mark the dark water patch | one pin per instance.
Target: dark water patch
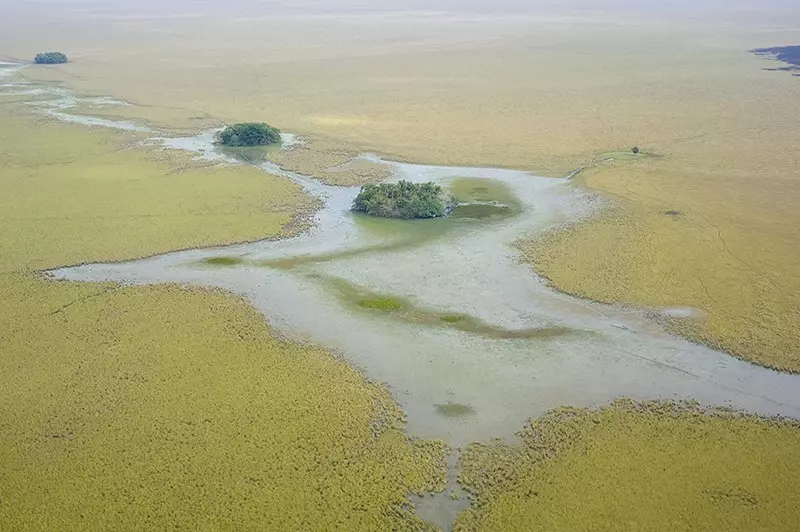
(453, 410)
(223, 261)
(785, 54)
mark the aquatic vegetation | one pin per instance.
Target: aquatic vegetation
(50, 58)
(481, 211)
(649, 466)
(451, 409)
(223, 261)
(482, 190)
(166, 406)
(408, 311)
(249, 134)
(403, 200)
(381, 303)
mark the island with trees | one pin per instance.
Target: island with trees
(249, 134)
(404, 200)
(50, 58)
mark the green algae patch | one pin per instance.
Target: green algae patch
(480, 189)
(637, 466)
(482, 199)
(482, 211)
(453, 318)
(380, 303)
(406, 310)
(223, 261)
(454, 410)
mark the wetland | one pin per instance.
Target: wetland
(296, 353)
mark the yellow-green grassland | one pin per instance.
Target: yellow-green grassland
(172, 407)
(163, 406)
(632, 466)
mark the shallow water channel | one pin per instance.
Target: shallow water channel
(470, 341)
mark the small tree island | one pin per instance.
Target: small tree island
(249, 134)
(50, 58)
(404, 200)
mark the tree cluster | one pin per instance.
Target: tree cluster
(403, 200)
(50, 58)
(249, 134)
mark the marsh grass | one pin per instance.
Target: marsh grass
(647, 465)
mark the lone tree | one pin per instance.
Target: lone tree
(249, 134)
(403, 200)
(50, 58)
(635, 150)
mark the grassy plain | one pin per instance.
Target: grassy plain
(549, 89)
(162, 406)
(629, 466)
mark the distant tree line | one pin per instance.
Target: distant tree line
(403, 200)
(250, 134)
(50, 58)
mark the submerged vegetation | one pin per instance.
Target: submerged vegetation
(633, 466)
(50, 58)
(403, 200)
(249, 134)
(223, 261)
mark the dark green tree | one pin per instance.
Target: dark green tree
(50, 58)
(249, 134)
(635, 150)
(403, 200)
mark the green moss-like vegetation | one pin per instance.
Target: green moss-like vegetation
(403, 200)
(452, 410)
(381, 303)
(453, 318)
(50, 58)
(249, 134)
(634, 466)
(222, 261)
